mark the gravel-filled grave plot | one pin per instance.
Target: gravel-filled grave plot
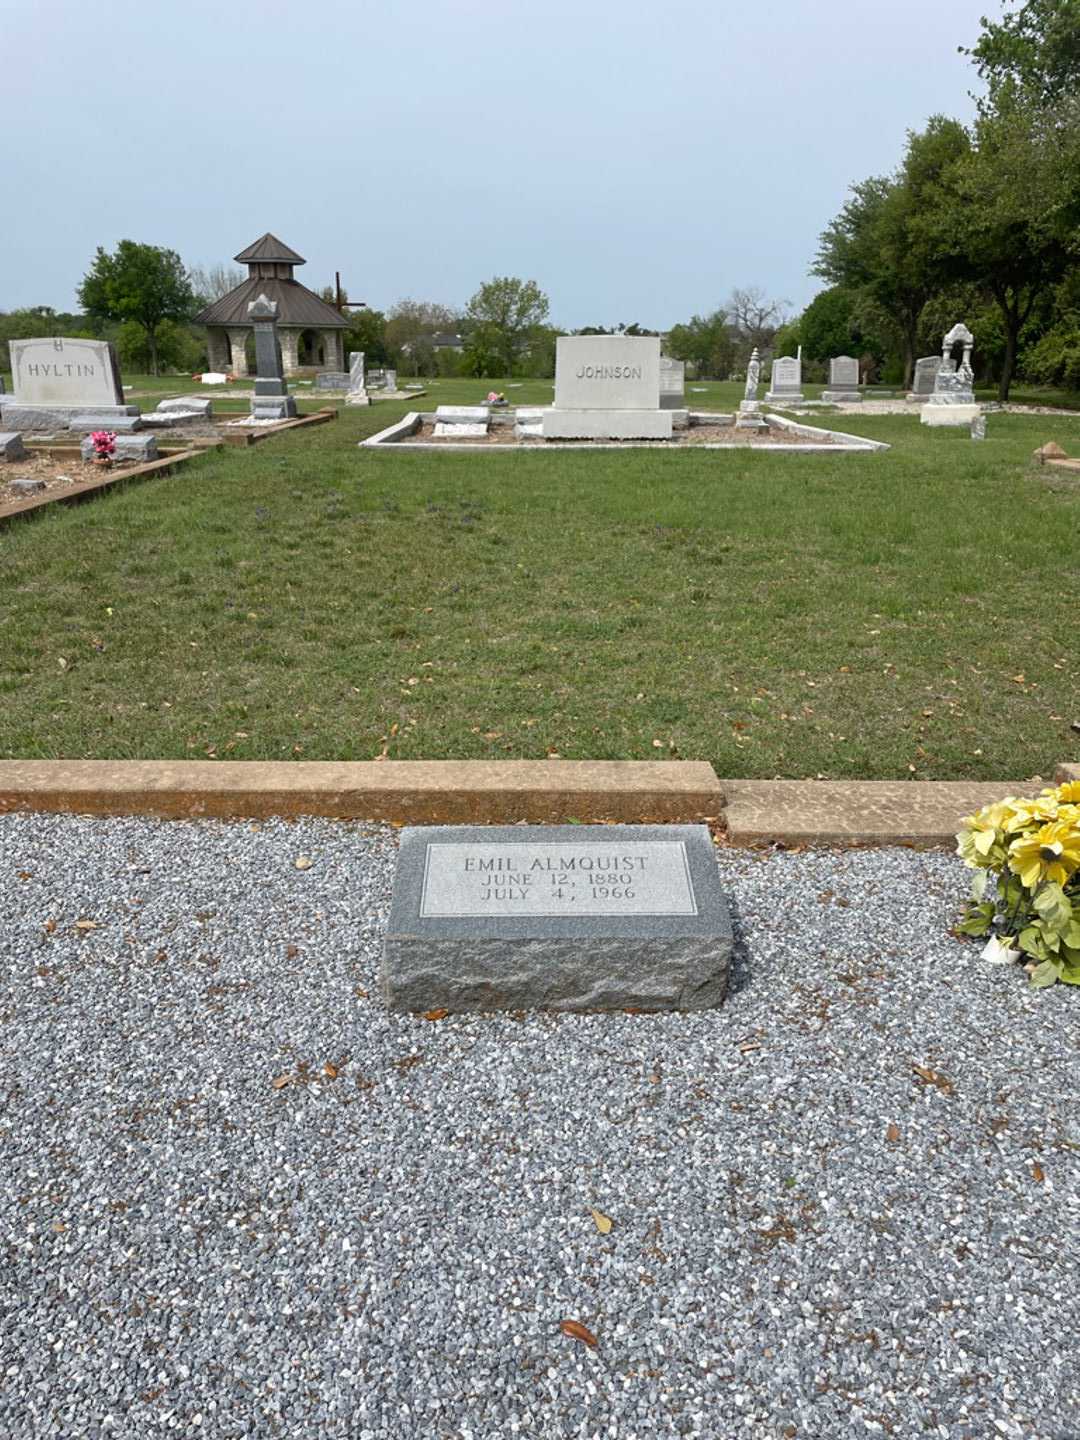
(53, 475)
(240, 1199)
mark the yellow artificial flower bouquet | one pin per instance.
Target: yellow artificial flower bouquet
(1030, 850)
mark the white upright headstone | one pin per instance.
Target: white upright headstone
(786, 387)
(62, 372)
(607, 386)
(843, 380)
(58, 379)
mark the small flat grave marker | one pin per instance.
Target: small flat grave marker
(560, 917)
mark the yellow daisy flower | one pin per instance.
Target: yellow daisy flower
(1050, 853)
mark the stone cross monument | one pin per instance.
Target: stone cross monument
(271, 400)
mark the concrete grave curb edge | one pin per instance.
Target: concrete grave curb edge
(754, 812)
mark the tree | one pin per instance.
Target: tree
(1036, 47)
(509, 310)
(139, 282)
(367, 332)
(410, 324)
(213, 282)
(877, 246)
(178, 348)
(706, 342)
(1006, 214)
(754, 317)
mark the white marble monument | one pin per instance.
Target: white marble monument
(786, 386)
(750, 416)
(953, 400)
(357, 393)
(59, 379)
(843, 380)
(607, 387)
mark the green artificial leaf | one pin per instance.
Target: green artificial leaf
(1033, 942)
(1054, 908)
(1045, 974)
(977, 919)
(1070, 971)
(978, 884)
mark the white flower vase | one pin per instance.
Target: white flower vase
(995, 953)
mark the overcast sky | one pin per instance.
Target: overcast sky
(637, 159)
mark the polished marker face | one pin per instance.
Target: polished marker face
(650, 877)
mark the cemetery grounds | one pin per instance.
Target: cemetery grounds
(245, 1200)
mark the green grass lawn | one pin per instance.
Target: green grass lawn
(879, 615)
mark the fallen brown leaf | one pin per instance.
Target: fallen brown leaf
(601, 1221)
(577, 1331)
(1038, 1174)
(331, 1071)
(86, 924)
(50, 926)
(303, 862)
(436, 1014)
(892, 1134)
(291, 952)
(933, 1077)
(281, 1082)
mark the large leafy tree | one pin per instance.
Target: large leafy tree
(707, 342)
(877, 245)
(145, 283)
(507, 313)
(1035, 46)
(1006, 214)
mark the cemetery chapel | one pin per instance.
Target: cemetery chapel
(309, 329)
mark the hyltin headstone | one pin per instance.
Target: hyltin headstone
(57, 379)
(271, 400)
(786, 387)
(843, 380)
(559, 917)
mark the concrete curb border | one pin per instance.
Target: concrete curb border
(923, 813)
(835, 442)
(407, 791)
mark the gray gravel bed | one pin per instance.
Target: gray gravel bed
(810, 1240)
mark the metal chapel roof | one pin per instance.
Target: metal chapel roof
(269, 248)
(297, 305)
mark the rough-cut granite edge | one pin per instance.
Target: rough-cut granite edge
(421, 972)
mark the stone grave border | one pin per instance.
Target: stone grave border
(914, 813)
(81, 489)
(834, 442)
(199, 445)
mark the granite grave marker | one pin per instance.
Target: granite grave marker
(271, 400)
(559, 917)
